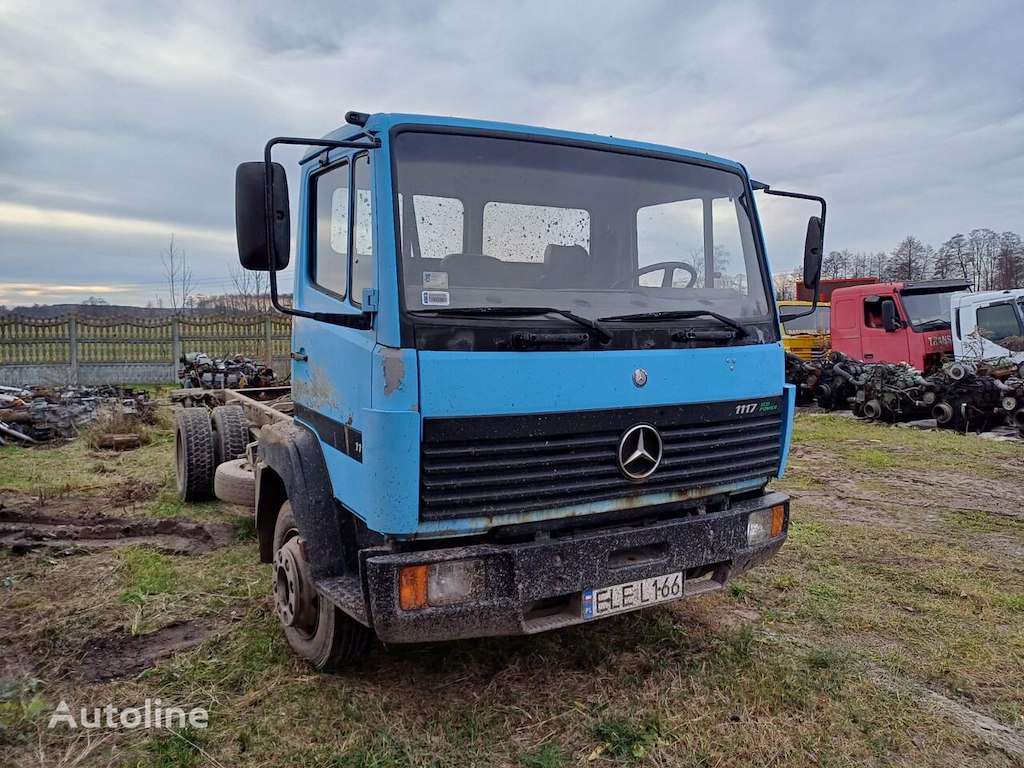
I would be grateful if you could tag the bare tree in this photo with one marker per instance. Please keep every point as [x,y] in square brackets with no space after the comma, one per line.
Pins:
[953,259]
[251,291]
[835,265]
[910,260]
[785,283]
[1009,266]
[983,247]
[178,275]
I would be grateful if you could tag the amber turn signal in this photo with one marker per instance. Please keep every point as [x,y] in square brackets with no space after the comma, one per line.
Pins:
[778,517]
[412,587]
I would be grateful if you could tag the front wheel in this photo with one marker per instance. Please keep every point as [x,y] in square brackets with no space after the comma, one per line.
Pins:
[317,629]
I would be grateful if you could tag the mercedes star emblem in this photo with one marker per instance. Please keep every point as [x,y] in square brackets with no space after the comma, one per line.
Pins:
[639,377]
[640,451]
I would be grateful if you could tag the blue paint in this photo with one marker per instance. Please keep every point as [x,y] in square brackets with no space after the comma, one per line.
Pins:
[789,406]
[492,383]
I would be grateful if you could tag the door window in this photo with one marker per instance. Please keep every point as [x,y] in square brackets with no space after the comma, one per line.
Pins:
[329,266]
[362,253]
[998,322]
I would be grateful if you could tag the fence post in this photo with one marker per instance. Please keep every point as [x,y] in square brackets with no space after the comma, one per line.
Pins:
[175,346]
[268,338]
[73,347]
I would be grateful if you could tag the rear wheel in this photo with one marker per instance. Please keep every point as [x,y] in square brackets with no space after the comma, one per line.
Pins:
[317,630]
[230,432]
[193,453]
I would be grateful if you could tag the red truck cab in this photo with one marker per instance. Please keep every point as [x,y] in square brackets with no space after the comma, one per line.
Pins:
[895,322]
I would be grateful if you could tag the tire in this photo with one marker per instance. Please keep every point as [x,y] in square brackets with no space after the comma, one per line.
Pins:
[328,638]
[234,482]
[230,433]
[193,453]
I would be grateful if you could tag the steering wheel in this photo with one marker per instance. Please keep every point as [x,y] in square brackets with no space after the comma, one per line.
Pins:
[669,268]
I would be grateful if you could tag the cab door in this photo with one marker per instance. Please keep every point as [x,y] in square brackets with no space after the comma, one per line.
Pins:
[332,363]
[881,345]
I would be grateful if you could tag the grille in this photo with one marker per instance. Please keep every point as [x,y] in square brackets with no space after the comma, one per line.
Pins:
[479,466]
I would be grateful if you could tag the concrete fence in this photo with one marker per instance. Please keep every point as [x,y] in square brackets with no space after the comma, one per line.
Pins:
[129,350]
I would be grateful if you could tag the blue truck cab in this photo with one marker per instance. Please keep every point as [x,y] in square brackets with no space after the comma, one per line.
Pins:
[537,380]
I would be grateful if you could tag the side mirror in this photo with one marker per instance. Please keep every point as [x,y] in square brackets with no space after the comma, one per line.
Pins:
[889,321]
[813,244]
[251,216]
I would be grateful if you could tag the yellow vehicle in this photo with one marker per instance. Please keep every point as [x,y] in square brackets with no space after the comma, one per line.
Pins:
[806,337]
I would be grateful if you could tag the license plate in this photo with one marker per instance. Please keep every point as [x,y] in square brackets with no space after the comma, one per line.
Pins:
[633,594]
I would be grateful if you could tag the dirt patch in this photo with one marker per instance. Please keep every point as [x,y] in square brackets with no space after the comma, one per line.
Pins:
[67,526]
[121,654]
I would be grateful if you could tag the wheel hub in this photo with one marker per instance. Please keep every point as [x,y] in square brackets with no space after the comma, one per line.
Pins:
[294,593]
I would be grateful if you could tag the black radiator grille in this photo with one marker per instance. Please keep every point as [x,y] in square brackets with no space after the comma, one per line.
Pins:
[478,466]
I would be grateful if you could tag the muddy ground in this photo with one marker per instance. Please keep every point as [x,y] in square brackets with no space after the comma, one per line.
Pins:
[890,630]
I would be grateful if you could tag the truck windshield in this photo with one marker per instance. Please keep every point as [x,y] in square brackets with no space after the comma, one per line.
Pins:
[928,311]
[816,322]
[486,221]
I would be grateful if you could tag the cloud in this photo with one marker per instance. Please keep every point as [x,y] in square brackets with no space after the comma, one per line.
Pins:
[15,216]
[124,122]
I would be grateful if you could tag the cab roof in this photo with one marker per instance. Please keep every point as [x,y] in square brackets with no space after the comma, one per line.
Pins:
[382,123]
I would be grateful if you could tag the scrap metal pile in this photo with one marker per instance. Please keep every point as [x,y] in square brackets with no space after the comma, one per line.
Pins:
[200,371]
[39,414]
[966,396]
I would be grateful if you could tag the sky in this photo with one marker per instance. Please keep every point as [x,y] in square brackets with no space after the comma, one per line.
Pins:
[121,123]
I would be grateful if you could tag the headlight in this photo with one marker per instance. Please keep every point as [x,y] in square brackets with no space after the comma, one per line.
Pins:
[439,584]
[765,524]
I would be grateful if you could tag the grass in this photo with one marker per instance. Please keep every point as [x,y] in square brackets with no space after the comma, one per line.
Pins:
[147,572]
[902,574]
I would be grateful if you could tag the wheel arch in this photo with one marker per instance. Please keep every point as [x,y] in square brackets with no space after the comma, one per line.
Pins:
[292,468]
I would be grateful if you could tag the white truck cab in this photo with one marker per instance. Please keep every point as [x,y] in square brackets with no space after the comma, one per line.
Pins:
[988,325]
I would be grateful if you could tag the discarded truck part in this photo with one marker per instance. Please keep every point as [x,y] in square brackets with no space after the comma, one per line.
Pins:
[234,482]
[513,408]
[199,370]
[969,395]
[890,393]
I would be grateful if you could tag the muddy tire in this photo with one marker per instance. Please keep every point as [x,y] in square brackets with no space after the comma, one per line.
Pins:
[235,483]
[193,453]
[315,628]
[230,433]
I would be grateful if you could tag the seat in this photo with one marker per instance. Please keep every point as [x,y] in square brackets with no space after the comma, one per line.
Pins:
[565,266]
[472,270]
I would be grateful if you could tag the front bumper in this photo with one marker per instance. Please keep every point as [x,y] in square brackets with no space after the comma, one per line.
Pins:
[537,585]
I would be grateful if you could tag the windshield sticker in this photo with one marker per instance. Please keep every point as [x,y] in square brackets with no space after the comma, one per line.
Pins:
[435,280]
[435,298]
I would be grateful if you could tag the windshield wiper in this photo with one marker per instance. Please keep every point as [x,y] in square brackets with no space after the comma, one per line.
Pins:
[932,325]
[678,314]
[517,312]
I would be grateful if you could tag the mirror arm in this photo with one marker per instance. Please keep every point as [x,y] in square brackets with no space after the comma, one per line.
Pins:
[757,185]
[360,321]
[760,186]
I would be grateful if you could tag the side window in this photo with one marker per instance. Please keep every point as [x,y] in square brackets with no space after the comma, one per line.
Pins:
[329,266]
[997,322]
[872,313]
[362,255]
